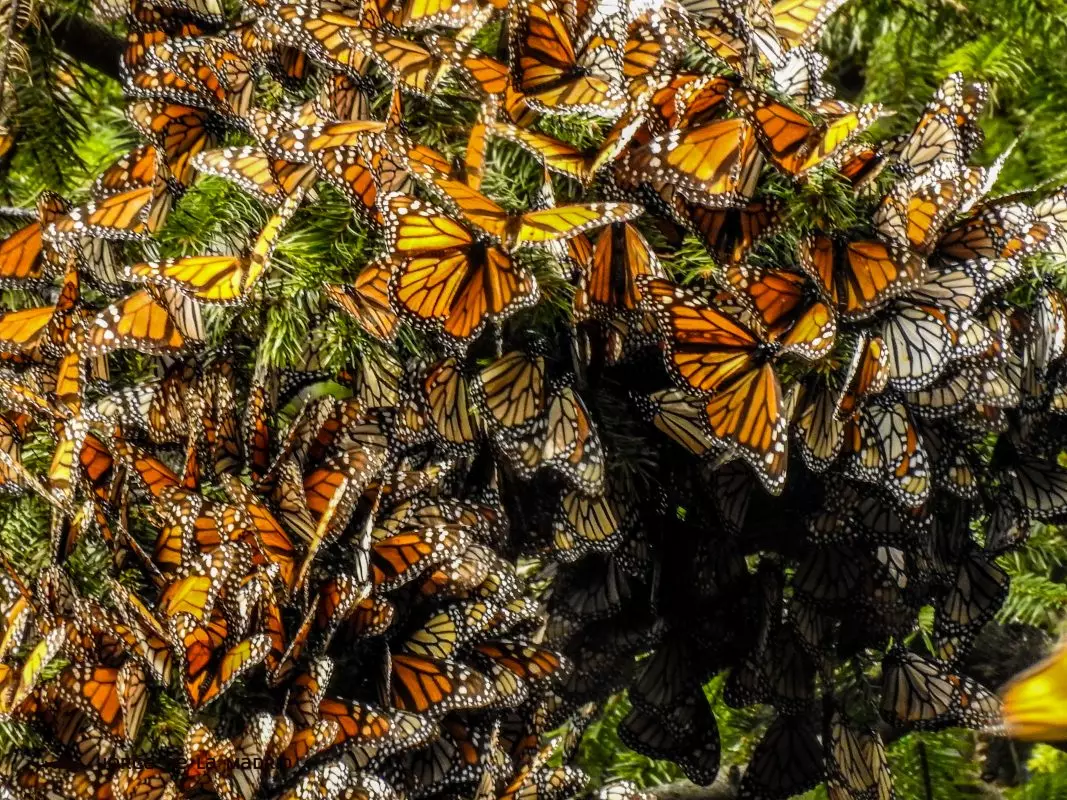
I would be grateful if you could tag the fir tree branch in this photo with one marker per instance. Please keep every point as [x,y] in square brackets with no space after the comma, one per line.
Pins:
[85,42]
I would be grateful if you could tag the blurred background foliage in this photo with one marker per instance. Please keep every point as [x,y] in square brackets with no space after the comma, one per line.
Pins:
[70,125]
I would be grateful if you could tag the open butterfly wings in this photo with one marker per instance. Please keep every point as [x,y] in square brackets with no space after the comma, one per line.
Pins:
[446,279]
[716,355]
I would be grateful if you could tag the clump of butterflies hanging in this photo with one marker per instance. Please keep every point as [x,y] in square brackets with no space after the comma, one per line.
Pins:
[413,570]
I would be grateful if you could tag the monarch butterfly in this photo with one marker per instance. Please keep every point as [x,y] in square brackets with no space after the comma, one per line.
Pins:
[991,233]
[268,539]
[205,681]
[349,170]
[220,279]
[367,301]
[608,285]
[125,215]
[913,213]
[409,65]
[445,394]
[794,144]
[114,698]
[387,731]
[1053,210]
[327,780]
[301,142]
[482,73]
[535,782]
[965,101]
[564,440]
[142,633]
[142,783]
[858,277]
[204,69]
[21,256]
[861,163]
[158,407]
[425,686]
[554,74]
[800,78]
[343,98]
[459,576]
[173,19]
[338,598]
[866,376]
[819,434]
[179,131]
[533,228]
[800,22]
[325,38]
[730,234]
[783,304]
[372,617]
[788,760]
[454,759]
[1039,485]
[1033,700]
[21,331]
[449,630]
[857,764]
[596,589]
[403,557]
[924,695]
[555,155]
[585,524]
[529,663]
[331,492]
[415,15]
[716,164]
[17,686]
[889,451]
[654,40]
[208,760]
[779,672]
[680,415]
[697,754]
[446,279]
[196,589]
[511,392]
[308,690]
[268,180]
[138,168]
[977,593]
[924,333]
[716,355]
[136,322]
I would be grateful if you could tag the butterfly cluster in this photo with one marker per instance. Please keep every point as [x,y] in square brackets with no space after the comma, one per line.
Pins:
[416,569]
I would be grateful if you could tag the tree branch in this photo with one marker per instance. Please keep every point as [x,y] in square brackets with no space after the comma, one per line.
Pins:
[86,42]
[726,787]
[18,213]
